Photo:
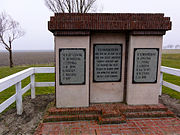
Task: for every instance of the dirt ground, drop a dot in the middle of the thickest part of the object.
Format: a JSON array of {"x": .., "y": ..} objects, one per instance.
[
  {"x": 12, "y": 124},
  {"x": 172, "y": 104}
]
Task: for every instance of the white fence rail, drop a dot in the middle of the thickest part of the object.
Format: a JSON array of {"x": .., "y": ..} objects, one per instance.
[
  {"x": 16, "y": 79},
  {"x": 172, "y": 71}
]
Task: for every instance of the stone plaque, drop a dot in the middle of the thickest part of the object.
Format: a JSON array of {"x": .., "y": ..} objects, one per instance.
[
  {"x": 145, "y": 65},
  {"x": 72, "y": 66},
  {"x": 107, "y": 62}
]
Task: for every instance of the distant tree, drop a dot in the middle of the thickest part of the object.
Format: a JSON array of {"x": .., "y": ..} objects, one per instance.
[
  {"x": 177, "y": 47},
  {"x": 170, "y": 46},
  {"x": 71, "y": 6},
  {"x": 165, "y": 47},
  {"x": 10, "y": 30}
]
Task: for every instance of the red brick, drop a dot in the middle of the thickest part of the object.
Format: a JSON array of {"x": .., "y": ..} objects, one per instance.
[
  {"x": 113, "y": 129},
  {"x": 67, "y": 23}
]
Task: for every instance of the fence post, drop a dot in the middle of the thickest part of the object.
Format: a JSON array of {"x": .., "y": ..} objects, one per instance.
[
  {"x": 33, "y": 86},
  {"x": 19, "y": 106},
  {"x": 161, "y": 83}
]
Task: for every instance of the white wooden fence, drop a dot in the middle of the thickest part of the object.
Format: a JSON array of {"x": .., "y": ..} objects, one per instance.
[
  {"x": 172, "y": 71},
  {"x": 16, "y": 79}
]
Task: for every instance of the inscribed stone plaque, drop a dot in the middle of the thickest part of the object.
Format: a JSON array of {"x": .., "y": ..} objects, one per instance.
[
  {"x": 107, "y": 62},
  {"x": 72, "y": 66},
  {"x": 145, "y": 65}
]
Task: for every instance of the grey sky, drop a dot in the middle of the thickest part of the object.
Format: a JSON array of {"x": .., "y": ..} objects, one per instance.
[{"x": 33, "y": 17}]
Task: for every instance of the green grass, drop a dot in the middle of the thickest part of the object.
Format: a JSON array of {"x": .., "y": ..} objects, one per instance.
[
  {"x": 171, "y": 60},
  {"x": 6, "y": 71}
]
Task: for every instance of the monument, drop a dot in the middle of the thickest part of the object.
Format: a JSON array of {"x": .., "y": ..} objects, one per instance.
[{"x": 105, "y": 58}]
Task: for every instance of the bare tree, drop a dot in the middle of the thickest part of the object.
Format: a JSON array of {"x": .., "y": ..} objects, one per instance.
[
  {"x": 10, "y": 30},
  {"x": 71, "y": 6}
]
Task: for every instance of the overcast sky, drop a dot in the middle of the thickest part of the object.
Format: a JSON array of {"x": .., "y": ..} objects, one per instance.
[{"x": 33, "y": 17}]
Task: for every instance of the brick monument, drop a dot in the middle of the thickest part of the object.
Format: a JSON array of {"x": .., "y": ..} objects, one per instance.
[{"x": 105, "y": 58}]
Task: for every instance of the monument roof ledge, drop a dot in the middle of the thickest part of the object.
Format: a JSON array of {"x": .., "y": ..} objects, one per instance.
[{"x": 109, "y": 22}]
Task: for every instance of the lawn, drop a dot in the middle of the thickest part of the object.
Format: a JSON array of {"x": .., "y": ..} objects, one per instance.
[{"x": 169, "y": 60}]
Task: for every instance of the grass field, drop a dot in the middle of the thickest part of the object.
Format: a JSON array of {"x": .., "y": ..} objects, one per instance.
[{"x": 169, "y": 60}]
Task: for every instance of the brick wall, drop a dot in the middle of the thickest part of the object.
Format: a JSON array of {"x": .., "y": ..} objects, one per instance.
[{"x": 106, "y": 22}]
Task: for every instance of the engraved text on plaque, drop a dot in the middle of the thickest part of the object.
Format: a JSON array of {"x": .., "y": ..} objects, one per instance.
[
  {"x": 107, "y": 62},
  {"x": 145, "y": 65},
  {"x": 72, "y": 66}
]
